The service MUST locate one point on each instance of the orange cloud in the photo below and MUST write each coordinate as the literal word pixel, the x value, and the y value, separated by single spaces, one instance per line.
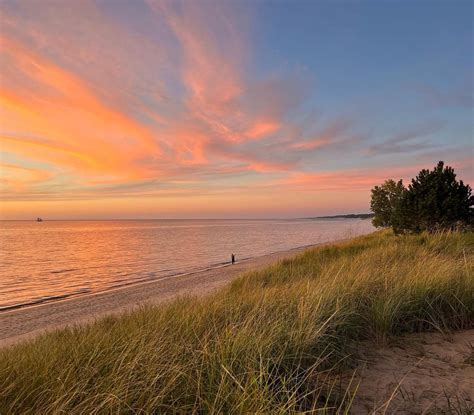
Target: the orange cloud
pixel 16 178
pixel 262 128
pixel 335 132
pixel 211 68
pixel 72 117
pixel 313 144
pixel 56 115
pixel 356 180
pixel 47 150
pixel 166 113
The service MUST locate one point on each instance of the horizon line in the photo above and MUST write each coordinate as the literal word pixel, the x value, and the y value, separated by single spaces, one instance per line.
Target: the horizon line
pixel 151 219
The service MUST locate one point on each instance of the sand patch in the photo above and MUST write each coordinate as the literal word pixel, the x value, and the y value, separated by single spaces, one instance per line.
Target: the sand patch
pixel 417 374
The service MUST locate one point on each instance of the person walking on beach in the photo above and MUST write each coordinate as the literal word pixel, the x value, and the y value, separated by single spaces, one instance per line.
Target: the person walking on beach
pixel 232 258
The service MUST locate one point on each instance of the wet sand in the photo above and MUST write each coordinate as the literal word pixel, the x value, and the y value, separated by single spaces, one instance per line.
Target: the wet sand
pixel 24 323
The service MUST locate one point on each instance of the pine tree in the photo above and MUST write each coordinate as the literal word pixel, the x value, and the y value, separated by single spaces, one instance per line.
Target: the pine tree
pixel 434 200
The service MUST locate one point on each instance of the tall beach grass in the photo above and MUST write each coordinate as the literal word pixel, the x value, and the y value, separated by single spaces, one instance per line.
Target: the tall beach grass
pixel 266 344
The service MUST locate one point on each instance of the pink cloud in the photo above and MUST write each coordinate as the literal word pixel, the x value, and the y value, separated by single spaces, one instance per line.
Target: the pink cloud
pixel 115 112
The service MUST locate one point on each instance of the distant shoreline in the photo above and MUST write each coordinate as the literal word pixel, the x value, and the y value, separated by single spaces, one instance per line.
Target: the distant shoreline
pixel 348 216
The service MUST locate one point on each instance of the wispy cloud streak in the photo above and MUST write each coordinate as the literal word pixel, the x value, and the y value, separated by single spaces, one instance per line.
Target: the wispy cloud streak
pixel 100 100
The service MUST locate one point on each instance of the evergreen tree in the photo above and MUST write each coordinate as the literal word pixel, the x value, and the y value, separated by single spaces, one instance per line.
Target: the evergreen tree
pixel 434 200
pixel 384 202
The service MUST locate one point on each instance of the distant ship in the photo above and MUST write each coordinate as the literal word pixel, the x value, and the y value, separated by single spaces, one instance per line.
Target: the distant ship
pixel 39 220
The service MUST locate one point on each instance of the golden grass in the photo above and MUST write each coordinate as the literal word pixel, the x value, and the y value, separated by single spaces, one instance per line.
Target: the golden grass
pixel 263 345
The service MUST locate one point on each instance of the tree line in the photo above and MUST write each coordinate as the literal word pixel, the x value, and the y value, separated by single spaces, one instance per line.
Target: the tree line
pixel 433 201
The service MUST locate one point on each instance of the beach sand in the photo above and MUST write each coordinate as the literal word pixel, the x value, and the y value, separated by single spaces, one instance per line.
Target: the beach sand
pixel 23 323
pixel 416 374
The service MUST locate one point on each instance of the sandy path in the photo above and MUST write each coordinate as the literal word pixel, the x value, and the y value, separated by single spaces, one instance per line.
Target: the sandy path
pixel 426 373
pixel 23 323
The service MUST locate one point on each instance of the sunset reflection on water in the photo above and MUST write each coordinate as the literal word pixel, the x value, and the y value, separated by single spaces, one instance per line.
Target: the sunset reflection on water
pixel 57 259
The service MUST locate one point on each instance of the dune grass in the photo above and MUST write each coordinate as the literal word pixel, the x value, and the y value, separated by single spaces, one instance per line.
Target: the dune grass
pixel 265 344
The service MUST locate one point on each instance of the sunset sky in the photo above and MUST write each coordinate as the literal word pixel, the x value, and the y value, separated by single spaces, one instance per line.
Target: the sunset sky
pixel 227 109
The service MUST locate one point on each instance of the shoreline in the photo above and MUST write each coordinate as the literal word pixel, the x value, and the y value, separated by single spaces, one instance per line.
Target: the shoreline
pixel 209 267
pixel 26 322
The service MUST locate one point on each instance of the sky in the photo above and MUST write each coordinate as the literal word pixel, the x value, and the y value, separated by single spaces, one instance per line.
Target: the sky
pixel 227 109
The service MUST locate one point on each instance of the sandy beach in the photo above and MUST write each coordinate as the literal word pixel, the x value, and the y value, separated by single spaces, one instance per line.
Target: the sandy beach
pixel 27 322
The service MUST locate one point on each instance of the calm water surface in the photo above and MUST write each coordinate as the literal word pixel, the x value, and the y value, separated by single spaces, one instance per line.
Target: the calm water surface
pixel 56 259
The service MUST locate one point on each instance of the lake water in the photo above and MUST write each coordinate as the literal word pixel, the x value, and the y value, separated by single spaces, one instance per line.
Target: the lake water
pixel 52 260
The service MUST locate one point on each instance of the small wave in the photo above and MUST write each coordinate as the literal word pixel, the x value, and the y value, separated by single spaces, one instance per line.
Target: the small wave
pixel 60 271
pixel 45 299
pixel 125 278
pixel 151 276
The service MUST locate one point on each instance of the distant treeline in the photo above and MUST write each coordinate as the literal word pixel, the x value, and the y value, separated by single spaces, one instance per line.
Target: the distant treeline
pixel 349 216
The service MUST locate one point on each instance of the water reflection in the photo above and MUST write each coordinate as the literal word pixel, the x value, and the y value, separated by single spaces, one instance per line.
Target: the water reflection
pixel 55 259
